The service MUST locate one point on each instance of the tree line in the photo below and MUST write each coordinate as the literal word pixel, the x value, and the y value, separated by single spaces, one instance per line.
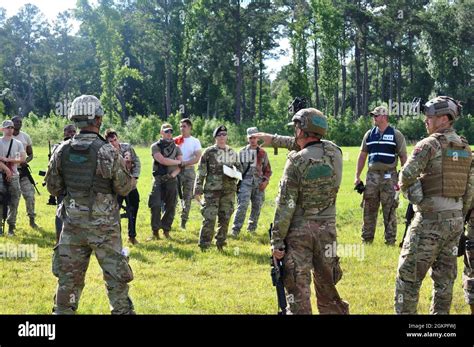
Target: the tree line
pixel 209 58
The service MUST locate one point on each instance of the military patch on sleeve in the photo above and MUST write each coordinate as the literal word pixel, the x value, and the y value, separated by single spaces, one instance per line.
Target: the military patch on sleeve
pixel 416 151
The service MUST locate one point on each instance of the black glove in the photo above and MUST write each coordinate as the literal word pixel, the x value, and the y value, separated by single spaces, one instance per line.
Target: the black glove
pixel 360 187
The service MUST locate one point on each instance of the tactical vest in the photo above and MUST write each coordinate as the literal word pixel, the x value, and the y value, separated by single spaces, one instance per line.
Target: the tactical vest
pixel 317 189
pixel 448 178
pixel 382 148
pixel 167 150
pixel 78 166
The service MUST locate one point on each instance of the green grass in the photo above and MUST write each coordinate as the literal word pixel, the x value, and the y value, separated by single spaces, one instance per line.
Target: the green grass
pixel 174 277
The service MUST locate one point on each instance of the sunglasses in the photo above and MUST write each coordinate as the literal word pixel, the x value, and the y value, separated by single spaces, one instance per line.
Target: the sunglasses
pixel 168 131
pixel 222 134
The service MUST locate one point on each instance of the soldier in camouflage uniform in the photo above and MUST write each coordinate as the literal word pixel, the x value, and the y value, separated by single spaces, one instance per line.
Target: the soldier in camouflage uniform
pixel 328 234
pixel 12 154
pixel 27 188
pixel 305 218
pixel 255 178
pixel 435 180
pixel 382 144
pixel 218 189
pixel 167 158
pixel 68 131
pixel 90 172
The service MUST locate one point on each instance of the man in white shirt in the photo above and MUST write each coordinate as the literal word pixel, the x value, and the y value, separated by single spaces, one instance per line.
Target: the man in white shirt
pixel 27 188
pixel 191 149
pixel 12 154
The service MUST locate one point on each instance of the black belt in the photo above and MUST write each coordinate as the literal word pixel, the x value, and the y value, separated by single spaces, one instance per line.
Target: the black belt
pixel 156 173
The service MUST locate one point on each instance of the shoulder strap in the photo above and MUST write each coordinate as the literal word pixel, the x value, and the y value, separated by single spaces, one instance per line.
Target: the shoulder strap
pixel 441 139
pixel 246 170
pixel 9 148
pixel 464 141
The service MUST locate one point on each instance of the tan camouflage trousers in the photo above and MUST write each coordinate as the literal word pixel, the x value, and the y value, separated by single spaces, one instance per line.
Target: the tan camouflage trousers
pixel 217 205
pixel 468 274
pixel 187 178
pixel 71 259
pixel 307 245
pixel 28 192
pixel 380 190
pixel 14 189
pixel 430 244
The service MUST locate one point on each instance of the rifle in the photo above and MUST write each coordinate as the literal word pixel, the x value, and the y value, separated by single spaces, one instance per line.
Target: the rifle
pixel 463 240
pixel 52 198
pixel 179 187
pixel 6 196
pixel 297 104
pixel 409 214
pixel 277 279
pixel 127 209
pixel 25 171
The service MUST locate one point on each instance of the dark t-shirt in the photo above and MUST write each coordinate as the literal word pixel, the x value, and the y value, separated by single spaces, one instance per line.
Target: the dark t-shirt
pixel 170 151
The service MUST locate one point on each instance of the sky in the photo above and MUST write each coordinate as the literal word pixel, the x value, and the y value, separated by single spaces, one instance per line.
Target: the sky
pixel 51 8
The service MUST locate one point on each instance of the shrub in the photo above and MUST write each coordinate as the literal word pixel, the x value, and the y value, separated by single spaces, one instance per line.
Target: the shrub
pixel 143 130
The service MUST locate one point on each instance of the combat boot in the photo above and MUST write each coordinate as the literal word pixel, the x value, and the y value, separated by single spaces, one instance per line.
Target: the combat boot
pixel 133 241
pixel 33 224
pixel 234 234
pixel 204 248
pixel 183 224
pixel 220 246
pixel 167 234
pixel 11 230
pixel 154 236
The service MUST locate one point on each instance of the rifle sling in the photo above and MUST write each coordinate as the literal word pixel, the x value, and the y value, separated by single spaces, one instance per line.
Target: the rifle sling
pixel 8 154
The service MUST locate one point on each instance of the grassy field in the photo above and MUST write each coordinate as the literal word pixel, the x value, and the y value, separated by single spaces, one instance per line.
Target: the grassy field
pixel 174 277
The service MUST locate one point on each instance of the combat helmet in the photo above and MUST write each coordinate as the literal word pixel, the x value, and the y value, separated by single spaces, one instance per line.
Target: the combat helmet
pixel 84 109
pixel 442 105
pixel 310 120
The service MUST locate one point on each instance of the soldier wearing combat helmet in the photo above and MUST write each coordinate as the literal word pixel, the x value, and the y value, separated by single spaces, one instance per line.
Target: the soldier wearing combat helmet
pixel 305 217
pixel 435 180
pixel 90 173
